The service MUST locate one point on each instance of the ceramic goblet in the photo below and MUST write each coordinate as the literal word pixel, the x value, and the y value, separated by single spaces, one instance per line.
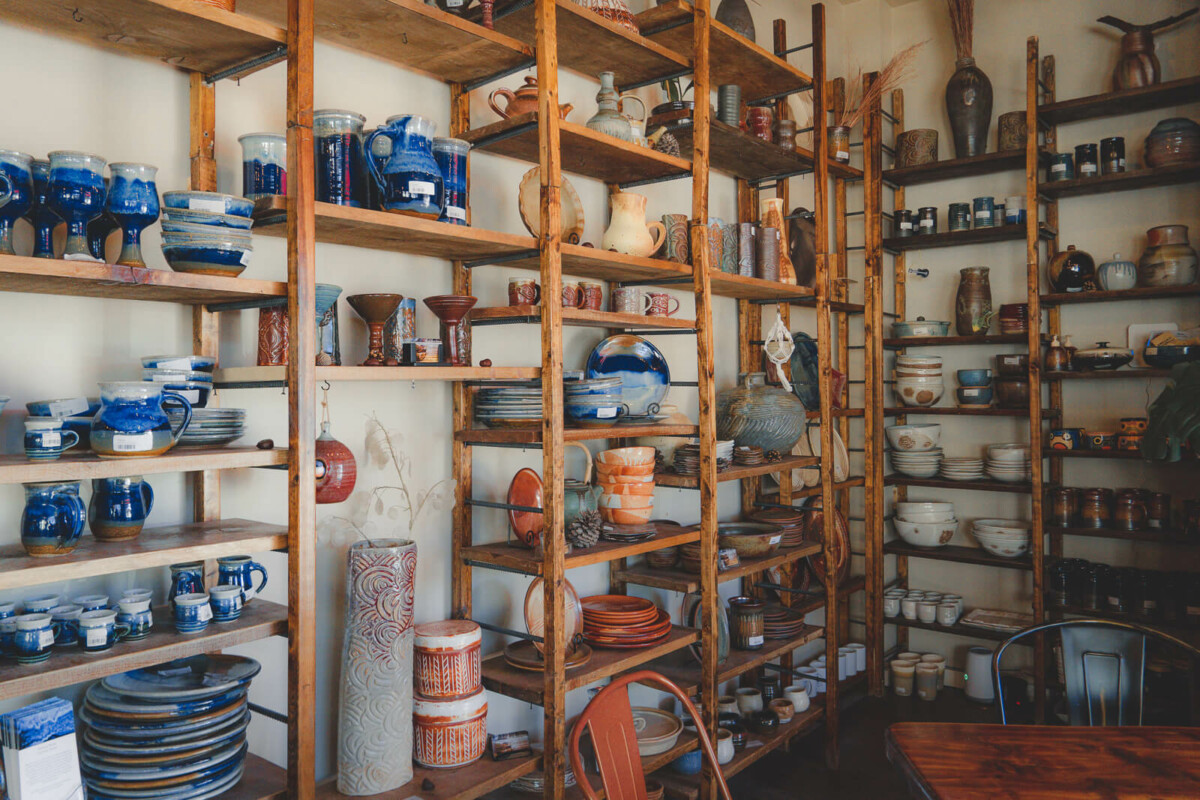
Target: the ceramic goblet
pixel 41 216
pixel 132 202
pixel 375 310
pixel 99 229
pixel 452 309
pixel 17 170
pixel 76 193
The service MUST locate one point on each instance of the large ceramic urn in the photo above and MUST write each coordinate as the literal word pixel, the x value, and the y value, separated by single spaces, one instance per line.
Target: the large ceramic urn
pixel 757 415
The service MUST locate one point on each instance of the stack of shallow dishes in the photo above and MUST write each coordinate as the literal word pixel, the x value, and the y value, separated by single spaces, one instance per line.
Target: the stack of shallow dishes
pixel 509 406
pixel 1008 462
pixel 621 622
pixel 781 623
pixel 594 402
pixel 925 524
pixel 1008 538
pixel 534 783
pixel 206 232
pixel 190 376
pixel 687 457
pixel 210 427
pixel 689 557
pixel 791 524
pixel 749 456
pixel 961 468
pixel 171 732
pixel 626 480
pixel 922 464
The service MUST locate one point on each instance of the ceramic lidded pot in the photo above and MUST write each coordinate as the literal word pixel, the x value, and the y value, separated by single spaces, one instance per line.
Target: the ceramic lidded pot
pixel 1072 271
pixel 446 658
pixel 1168 259
pixel 449 733
pixel 1117 275
pixel 337 470
pixel 410 181
pixel 131 421
pixel 757 415
pixel 1173 141
pixel 53 519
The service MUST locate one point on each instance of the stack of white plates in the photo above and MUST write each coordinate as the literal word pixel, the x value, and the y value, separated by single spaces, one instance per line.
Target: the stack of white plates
pixel 210 427
pixel 1008 462
pixel 960 468
pixel 923 464
pixel 1002 537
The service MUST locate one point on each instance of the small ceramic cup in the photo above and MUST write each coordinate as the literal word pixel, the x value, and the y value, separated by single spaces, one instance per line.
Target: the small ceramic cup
pixel 660 304
pixel 593 295
pixel 1014 210
pixel 192 612
pixel 908 607
pixel 938 661
pixel 860 655
pixel 749 701
pixel 45 439
pixel 67 617
pixel 1101 440
pixel 725 748
pixel 984 211
pixel 926 680
pixel 847 664
pixel 226 603
pixel 891 606
pixel 783 709
pixel 903 673
pixel 99 630
pixel 34 636
pixel 927 611
pixel 797 695
pixel 947 613
pixel 523 292
pixel 572 295
pixel 137 593
pixel 42 603
pixel 1066 438
pixel 91 602
pixel 629 300
pixel 727 704
pixel 135 612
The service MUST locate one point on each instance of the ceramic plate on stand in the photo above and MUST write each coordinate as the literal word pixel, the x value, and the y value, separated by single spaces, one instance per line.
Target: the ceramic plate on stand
pixel 526 490
pixel 642 368
pixel 529 203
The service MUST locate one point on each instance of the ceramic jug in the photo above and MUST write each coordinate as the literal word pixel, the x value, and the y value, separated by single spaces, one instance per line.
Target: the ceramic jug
pixel 637 125
pixel 131 421
pixel 628 232
pixel 522 101
pixel 410 181
pixel 609 119
pixel 119 507
pixel 53 518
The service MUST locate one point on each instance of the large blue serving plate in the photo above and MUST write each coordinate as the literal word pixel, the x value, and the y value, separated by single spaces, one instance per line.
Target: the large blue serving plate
pixel 185 678
pixel 642 368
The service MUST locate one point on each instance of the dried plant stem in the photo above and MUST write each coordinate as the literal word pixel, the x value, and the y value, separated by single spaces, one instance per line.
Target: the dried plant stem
pixel 894 73
pixel 962 25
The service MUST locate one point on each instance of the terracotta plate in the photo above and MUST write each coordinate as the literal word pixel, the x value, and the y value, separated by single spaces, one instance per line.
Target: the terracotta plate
pixel 523 655
pixel 534 613
pixel 616 604
pixel 526 490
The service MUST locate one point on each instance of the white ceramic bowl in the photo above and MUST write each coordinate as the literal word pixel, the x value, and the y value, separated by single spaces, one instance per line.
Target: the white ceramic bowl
pixel 913 438
pixel 1015 452
pixel 905 506
pixel 926 534
pixel 1015 527
pixel 926 516
pixel 918 395
pixel 1005 549
pixel 918 472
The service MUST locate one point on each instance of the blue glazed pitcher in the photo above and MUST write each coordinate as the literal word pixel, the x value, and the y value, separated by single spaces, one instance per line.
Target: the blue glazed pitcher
pixel 53 518
pixel 410 181
pixel 131 421
pixel 119 507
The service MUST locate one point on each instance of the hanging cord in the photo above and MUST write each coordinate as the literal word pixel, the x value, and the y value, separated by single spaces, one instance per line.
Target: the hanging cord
pixel 779 346
pixel 325 407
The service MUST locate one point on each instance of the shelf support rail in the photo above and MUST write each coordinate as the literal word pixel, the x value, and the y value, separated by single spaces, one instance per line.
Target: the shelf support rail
pixel 248 66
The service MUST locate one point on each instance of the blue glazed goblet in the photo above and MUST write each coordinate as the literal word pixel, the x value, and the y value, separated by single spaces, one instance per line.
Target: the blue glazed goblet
pixel 99 229
pixel 41 216
pixel 76 193
pixel 17 169
pixel 133 202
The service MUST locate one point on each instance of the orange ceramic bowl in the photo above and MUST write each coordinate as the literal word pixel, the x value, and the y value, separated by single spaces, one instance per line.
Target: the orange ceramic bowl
pixel 641 469
pixel 626 488
pixel 626 456
pixel 626 479
pixel 626 516
pixel 628 501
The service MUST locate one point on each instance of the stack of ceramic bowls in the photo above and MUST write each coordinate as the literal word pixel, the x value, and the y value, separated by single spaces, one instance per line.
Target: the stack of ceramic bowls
pixel 1014 318
pixel 1008 462
pixel 206 232
pixel 922 464
pixel 791 524
pixel 509 406
pixel 626 480
pixel 1008 538
pixel 919 380
pixel 174 730
pixel 962 468
pixel 914 438
pixel 974 388
pixel 593 403
pixel 210 427
pixel 190 376
pixel 925 524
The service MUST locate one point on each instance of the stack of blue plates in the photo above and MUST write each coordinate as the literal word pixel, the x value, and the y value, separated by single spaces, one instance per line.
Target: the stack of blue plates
pixel 176 731
pixel 207 232
pixel 509 406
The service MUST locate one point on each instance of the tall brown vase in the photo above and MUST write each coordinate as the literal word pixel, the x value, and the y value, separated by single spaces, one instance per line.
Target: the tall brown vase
pixel 973 304
pixel 969 105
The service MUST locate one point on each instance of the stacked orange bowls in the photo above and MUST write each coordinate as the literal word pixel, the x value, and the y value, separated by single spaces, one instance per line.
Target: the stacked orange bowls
pixel 626 480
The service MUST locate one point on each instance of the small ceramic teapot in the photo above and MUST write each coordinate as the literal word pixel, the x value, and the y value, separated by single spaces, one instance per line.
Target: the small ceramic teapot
pixel 522 101
pixel 579 495
pixel 628 232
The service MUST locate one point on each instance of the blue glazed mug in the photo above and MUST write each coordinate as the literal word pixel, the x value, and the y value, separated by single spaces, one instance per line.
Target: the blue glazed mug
pixel 35 635
pixel 186 579
pixel 131 421
pixel 8 626
pixel 410 181
pixel 135 613
pixel 119 507
pixel 99 630
pixel 67 617
pixel 42 603
pixel 45 439
pixel 689 763
pixel 92 602
pixel 239 571
pixel 53 519
pixel 192 613
pixel 16 173
pixel 1066 439
pixel 226 603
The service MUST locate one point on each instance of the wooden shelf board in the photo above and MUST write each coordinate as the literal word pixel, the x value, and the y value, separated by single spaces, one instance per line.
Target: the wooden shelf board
pixel 940 483
pixel 957 629
pixel 1128 101
pixel 85 466
pixel 735 472
pixel 838 486
pixel 741 155
pixel 1121 181
pixel 185 34
pixel 460 783
pixel 682 668
pixel 259 620
pixel 527 561
pixel 155 547
pixel 1004 233
pixel 1122 455
pixel 986 164
pixel 958 553
pixel 963 411
pixel 955 341
pixel 110 281
pixel 678 580
pixel 238 375
pixel 726 284
pixel 606 265
pixel 1107 375
pixel 733 58
pixel 1126 295
pixel 596 44
pixel 578 317
pixel 408 33
pixel 1162 535
pixel 261 780
pixel 837 412
pixel 400 233
pixel 834 305
pixel 584 151
pixel 534 435
pixel 855 583
pixel 528 685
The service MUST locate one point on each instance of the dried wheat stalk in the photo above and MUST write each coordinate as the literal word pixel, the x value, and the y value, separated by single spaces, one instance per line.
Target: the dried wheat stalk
pixel 894 73
pixel 962 25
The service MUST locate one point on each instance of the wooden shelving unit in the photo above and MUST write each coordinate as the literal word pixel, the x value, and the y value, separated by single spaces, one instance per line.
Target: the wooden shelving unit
pixel 958 553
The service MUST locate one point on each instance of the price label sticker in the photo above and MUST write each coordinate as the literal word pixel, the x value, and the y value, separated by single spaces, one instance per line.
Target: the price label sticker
pixel 755 640
pixel 843 154
pixel 68 408
pixel 204 614
pixel 51 439
pixel 606 413
pixel 205 204
pixel 776 539
pixel 906 226
pixel 1087 169
pixel 983 214
pixel 245 259
pixel 456 212
pixel 133 442
pixel 96 637
pixel 421 187
pixel 926 223
pixel 45 638
pixel 1058 167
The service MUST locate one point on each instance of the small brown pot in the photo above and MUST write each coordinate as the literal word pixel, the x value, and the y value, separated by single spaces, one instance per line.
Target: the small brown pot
pixel 838 144
pixel 1012 393
pixel 916 147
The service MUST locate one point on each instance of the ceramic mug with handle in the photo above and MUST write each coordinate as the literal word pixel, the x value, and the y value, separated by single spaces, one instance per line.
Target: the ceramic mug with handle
pixel 660 304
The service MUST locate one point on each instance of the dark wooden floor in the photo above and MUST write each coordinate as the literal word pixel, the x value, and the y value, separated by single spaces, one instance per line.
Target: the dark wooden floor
pixel 865 773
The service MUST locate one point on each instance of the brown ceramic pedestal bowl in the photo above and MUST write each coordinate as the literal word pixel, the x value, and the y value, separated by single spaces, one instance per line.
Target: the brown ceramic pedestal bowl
pixel 451 309
pixel 375 310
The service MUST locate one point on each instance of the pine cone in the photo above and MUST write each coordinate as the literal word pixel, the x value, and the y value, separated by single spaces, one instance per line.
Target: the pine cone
pixel 584 530
pixel 668 144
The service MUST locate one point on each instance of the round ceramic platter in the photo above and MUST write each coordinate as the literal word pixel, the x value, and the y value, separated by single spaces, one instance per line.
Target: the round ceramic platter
pixel 185 678
pixel 175 742
pixel 209 440
pixel 202 790
pixel 616 604
pixel 526 490
pixel 534 611
pixel 102 768
pixel 106 701
pixel 529 200
pixel 642 368
pixel 151 730
pixel 523 655
pixel 111 761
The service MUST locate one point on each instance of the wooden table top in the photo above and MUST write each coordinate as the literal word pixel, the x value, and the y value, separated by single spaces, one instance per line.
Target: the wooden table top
pixel 949 761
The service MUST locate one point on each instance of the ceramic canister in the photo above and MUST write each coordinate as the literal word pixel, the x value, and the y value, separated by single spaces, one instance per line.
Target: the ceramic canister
pixel 960 216
pixel 985 208
pixel 1087 161
pixel 1062 168
pixel 446 658
pixel 449 733
pixel 1112 155
pixel 927 220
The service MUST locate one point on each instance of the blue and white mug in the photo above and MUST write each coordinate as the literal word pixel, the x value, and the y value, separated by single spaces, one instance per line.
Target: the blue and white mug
pixel 45 439
pixel 42 603
pixel 92 602
pixel 226 602
pixel 239 571
pixel 192 612
pixel 135 612
pixel 67 617
pixel 35 635
pixel 99 630
pixel 186 579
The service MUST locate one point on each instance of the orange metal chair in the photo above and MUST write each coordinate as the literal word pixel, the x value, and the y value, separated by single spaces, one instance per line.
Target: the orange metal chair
pixel 609 720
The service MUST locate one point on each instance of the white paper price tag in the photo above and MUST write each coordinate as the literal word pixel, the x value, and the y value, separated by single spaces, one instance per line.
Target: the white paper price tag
pixel 605 413
pixel 983 214
pixel 456 212
pixel 926 223
pixel 96 637
pixel 133 442
pixel 191 395
pixel 45 638
pixel 421 187
pixel 51 439
pixel 754 640
pixel 68 408
pixel 906 226
pixel 205 204
pixel 843 155
pixel 1058 167
pixel 776 539
pixel 1087 169
pixel 204 614
pixel 245 259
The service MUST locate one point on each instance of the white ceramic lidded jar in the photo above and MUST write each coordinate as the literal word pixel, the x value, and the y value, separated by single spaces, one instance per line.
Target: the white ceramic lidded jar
pixel 1117 275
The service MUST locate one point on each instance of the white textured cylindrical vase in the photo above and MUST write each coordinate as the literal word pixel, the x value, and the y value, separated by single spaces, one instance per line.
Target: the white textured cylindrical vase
pixel 375 729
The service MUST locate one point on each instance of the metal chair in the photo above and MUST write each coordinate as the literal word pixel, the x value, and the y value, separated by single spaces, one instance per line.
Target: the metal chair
pixel 1105 665
pixel 609 720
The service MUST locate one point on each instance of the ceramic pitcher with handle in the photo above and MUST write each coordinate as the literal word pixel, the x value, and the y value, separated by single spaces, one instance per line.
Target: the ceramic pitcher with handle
pixel 627 231
pixel 410 181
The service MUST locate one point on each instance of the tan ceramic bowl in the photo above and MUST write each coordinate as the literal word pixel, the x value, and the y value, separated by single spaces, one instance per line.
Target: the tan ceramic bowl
pixel 626 501
pixel 626 457
pixel 640 469
pixel 626 488
pixel 627 479
pixel 627 516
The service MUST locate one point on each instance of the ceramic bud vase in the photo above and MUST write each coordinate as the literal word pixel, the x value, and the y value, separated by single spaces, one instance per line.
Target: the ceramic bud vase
pixel 969 105
pixel 375 729
pixel 973 304
pixel 609 119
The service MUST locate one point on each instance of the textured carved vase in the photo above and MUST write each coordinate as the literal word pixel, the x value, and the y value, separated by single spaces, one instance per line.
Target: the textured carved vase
pixel 969 105
pixel 973 303
pixel 375 732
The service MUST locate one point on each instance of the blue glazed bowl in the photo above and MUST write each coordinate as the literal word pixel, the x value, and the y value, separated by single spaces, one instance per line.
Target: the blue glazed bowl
pixel 208 260
pixel 974 377
pixel 62 407
pixel 222 239
pixel 199 363
pixel 213 202
pixel 175 375
pixel 974 395
pixel 1168 356
pixel 206 218
pixel 689 763
pixel 200 229
pixel 596 414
